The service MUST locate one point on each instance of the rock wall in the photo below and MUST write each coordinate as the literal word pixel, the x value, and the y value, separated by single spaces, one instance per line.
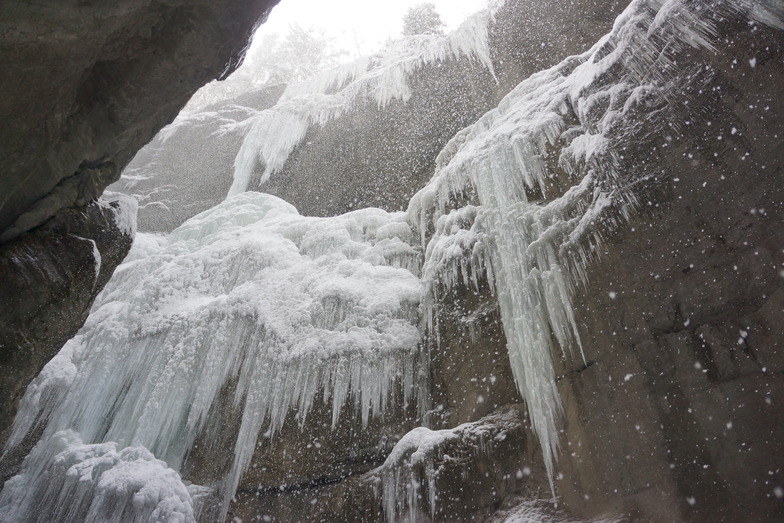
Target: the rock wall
pixel 87 85
pixel 673 415
pixel 677 415
pixel 389 153
pixel 50 279
pixel 188 168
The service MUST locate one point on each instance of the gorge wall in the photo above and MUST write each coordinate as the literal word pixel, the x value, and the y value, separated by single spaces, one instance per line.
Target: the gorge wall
pixel 388 150
pixel 672 411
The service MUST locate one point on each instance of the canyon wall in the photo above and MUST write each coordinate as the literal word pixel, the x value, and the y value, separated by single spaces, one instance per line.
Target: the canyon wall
pixel 387 152
pixel 672 385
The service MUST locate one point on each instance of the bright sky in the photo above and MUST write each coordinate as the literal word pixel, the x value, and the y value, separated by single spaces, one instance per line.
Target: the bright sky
pixel 361 25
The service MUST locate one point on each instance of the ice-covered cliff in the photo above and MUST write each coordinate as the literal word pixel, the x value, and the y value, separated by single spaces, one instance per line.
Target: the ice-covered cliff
pixel 583 302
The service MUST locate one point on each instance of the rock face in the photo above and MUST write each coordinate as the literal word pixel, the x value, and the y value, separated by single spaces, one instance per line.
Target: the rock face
pixel 674 412
pixel 387 152
pixel 188 168
pixel 89 84
pixel 85 86
pixel 677 415
pixel 50 279
pixel 405 138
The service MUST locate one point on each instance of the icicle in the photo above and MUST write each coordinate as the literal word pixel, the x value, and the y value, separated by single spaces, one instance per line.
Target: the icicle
pixel 541 227
pixel 271 135
pixel 409 475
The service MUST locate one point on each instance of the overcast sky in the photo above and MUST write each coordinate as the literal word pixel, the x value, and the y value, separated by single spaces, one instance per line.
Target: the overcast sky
pixel 363 24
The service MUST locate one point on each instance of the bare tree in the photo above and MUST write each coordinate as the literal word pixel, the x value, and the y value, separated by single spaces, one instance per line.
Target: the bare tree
pixel 422 19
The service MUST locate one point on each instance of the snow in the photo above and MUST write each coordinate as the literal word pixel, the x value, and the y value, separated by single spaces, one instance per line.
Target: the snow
pixel 456 253
pixel 540 511
pixel 95 483
pixel 409 473
pixel 123 208
pixel 284 307
pixel 402 489
pixel 96 255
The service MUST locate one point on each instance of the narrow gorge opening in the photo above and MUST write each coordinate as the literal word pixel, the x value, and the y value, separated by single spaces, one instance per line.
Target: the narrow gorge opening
pixel 529 269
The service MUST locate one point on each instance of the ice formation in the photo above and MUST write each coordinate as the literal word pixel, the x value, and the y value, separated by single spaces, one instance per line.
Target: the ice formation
pixel 410 473
pixel 271 135
pixel 527 193
pixel 249 297
pixel 98 482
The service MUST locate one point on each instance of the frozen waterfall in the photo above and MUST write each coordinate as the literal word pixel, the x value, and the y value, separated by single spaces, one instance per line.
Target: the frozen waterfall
pixel 247 299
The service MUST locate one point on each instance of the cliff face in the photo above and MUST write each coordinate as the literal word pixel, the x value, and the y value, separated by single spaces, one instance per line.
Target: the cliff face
pixel 50 279
pixel 671 413
pixel 86 84
pixel 387 150
pixel 676 415
pixel 446 96
pixel 188 168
